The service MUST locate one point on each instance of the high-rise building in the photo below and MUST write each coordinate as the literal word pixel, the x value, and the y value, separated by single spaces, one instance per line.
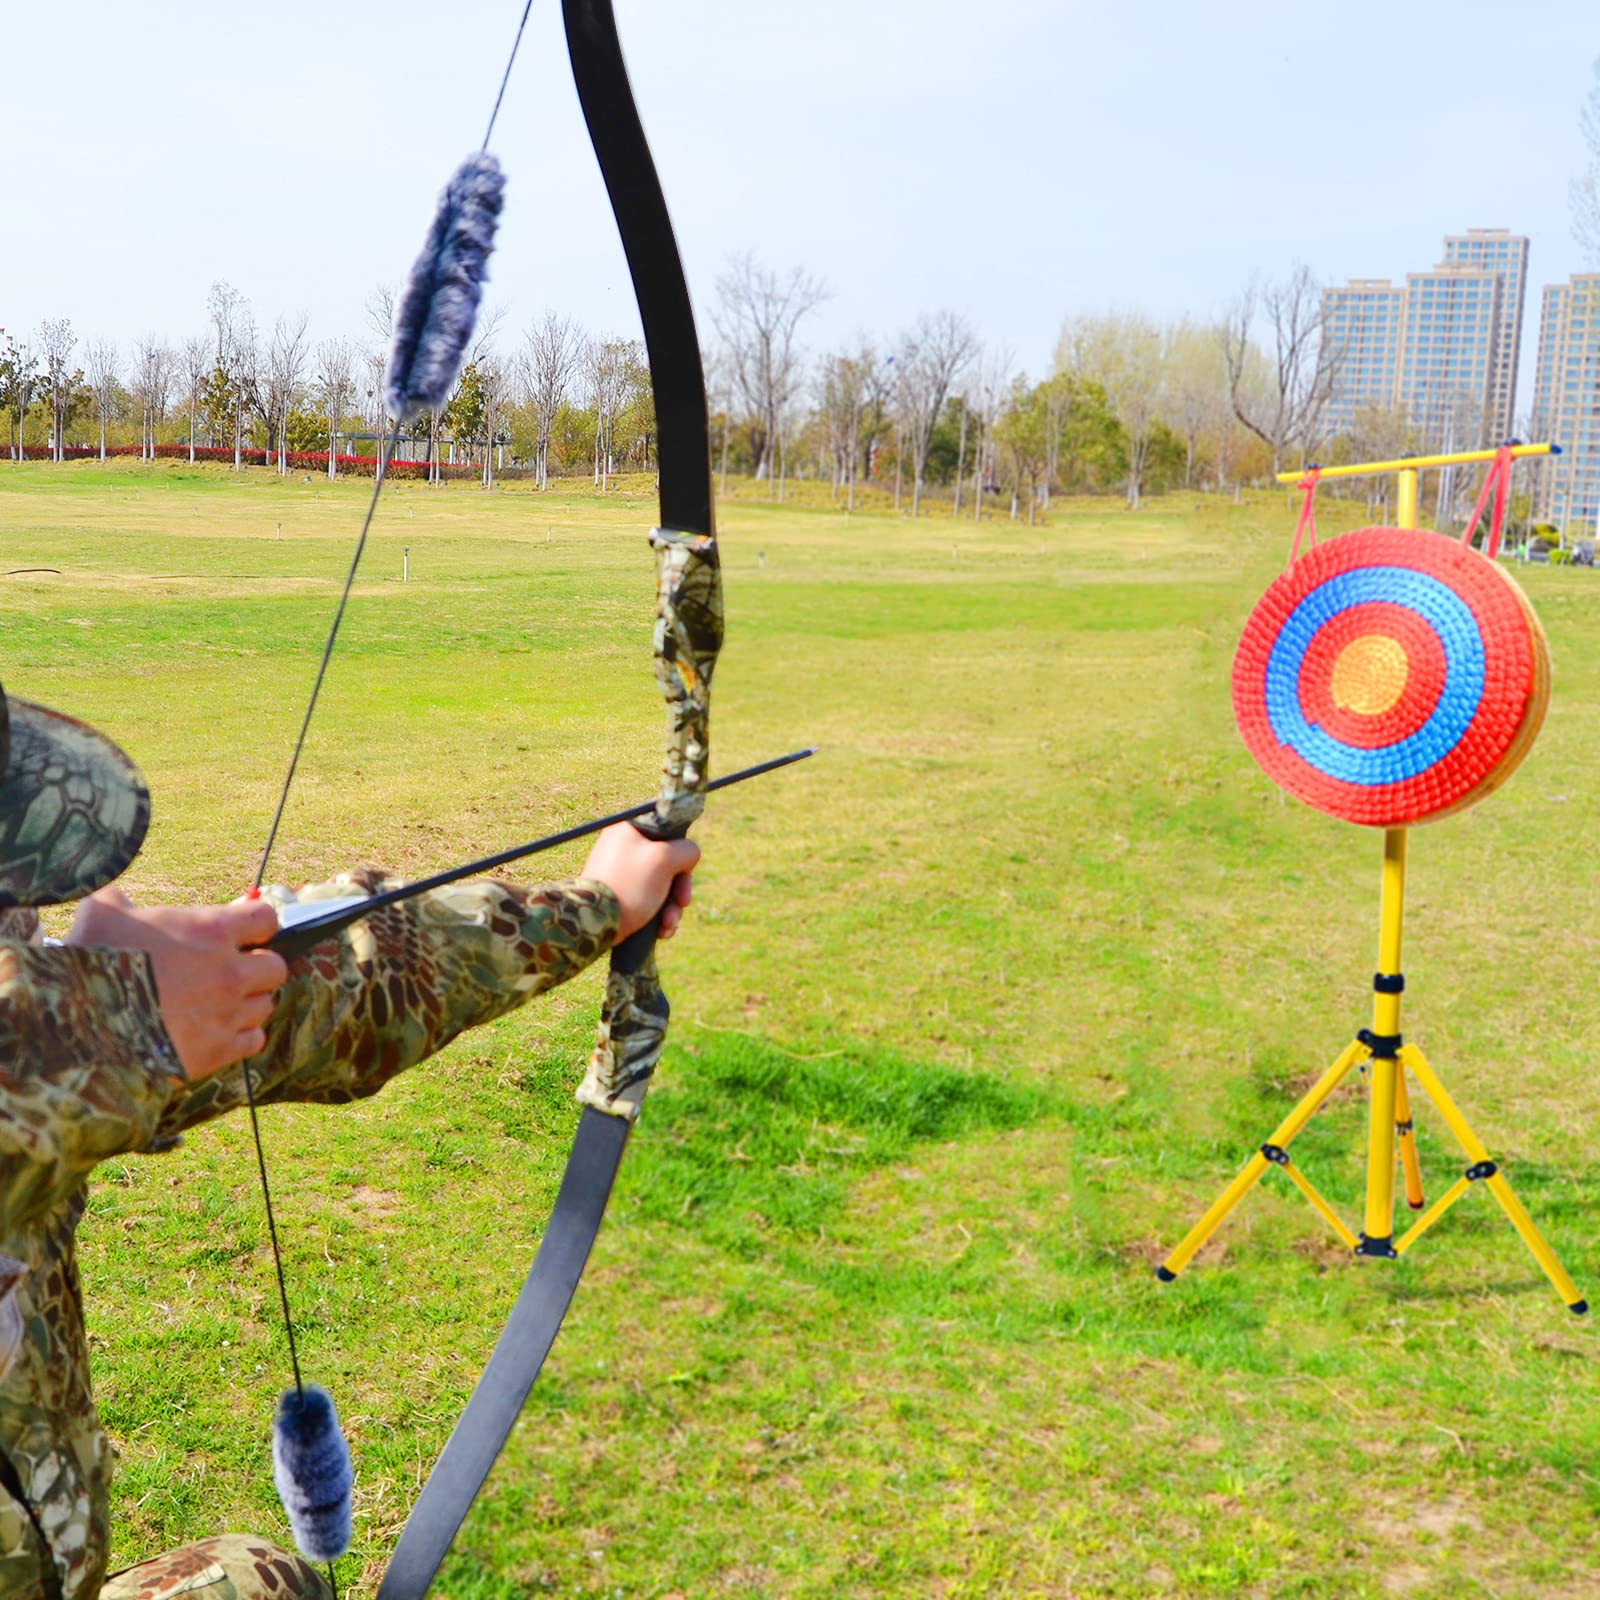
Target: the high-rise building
pixel 1443 348
pixel 1362 322
pixel 1552 337
pixel 1445 384
pixel 1566 405
pixel 1500 251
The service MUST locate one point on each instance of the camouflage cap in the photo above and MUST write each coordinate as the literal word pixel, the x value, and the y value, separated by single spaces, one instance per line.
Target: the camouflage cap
pixel 73 807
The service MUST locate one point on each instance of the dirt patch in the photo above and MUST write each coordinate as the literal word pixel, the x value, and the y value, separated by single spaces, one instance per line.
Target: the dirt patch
pixel 370 1202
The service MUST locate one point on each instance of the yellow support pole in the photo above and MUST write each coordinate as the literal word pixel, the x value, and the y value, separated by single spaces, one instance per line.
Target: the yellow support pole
pixel 1378 1233
pixel 1405 500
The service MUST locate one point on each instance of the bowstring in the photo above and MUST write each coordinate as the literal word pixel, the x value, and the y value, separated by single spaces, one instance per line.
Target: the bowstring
pixel 506 77
pixel 384 459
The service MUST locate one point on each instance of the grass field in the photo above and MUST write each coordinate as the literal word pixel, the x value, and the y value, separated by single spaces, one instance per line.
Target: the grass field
pixel 974 1014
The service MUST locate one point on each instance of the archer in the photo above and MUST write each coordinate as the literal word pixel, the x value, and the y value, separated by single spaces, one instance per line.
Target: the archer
pixel 143 1023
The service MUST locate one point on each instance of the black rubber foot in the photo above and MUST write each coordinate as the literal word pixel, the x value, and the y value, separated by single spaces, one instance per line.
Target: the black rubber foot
pixel 1416 1205
pixel 1383 1249
pixel 1579 1309
pixel 1172 1277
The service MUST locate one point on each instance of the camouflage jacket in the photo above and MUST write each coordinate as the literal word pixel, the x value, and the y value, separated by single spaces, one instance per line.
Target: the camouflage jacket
pixel 87 1071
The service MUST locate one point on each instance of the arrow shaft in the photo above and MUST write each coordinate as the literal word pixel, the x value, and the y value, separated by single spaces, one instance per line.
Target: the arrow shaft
pixel 303 935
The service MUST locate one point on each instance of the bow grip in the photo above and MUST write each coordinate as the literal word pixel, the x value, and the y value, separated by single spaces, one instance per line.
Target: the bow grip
pixel 633 1019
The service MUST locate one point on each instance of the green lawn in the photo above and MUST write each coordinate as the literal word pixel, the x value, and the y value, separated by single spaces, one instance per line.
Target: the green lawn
pixel 974 1014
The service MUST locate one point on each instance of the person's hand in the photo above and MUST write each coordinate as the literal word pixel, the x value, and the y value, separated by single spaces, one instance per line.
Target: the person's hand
pixel 646 876
pixel 215 992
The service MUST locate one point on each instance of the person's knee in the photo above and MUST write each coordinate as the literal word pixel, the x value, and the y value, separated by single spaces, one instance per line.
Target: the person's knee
pixel 232 1566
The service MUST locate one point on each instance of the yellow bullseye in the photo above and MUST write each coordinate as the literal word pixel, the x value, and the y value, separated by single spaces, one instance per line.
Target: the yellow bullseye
pixel 1369 675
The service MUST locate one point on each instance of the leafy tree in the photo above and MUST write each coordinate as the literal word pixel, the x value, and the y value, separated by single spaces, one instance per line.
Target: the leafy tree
pixel 1023 433
pixel 305 430
pixel 464 415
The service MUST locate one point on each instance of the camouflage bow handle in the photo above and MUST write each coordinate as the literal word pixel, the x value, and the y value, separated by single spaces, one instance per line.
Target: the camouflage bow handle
pixel 688 635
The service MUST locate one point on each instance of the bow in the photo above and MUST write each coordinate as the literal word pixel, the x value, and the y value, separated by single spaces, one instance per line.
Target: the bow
pixel 688 636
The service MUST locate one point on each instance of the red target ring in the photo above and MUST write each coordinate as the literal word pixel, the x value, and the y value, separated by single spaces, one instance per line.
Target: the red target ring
pixel 1390 677
pixel 1372 675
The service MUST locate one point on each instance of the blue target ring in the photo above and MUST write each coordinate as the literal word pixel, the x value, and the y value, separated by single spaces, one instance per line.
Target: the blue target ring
pixel 1390 676
pixel 1457 631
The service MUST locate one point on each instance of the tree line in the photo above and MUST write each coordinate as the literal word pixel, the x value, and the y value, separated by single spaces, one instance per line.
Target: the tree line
pixel 1129 404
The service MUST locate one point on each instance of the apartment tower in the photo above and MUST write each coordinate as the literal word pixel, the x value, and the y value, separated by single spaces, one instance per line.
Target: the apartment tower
pixel 1505 254
pixel 1566 406
pixel 1442 348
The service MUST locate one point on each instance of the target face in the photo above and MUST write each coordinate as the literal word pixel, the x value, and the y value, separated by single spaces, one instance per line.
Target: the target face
pixel 1391 676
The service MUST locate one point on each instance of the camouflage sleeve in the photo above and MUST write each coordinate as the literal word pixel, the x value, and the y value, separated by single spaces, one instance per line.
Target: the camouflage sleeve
pixel 390 991
pixel 86 1069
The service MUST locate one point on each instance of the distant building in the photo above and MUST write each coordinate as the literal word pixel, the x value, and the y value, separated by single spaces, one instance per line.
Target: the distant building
pixel 1445 384
pixel 1363 322
pixel 1566 405
pixel 1506 254
pixel 1442 348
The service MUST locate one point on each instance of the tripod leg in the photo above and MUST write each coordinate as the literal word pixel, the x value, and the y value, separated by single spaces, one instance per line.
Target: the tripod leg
pixel 1408 1142
pixel 1498 1187
pixel 1258 1163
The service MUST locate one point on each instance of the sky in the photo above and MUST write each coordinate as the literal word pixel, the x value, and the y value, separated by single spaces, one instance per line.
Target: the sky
pixel 1019 161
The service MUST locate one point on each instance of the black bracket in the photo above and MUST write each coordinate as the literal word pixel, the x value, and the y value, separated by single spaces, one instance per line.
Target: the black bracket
pixel 1480 1169
pixel 1389 982
pixel 1276 1154
pixel 1382 1248
pixel 1384 1046
pixel 1403 1128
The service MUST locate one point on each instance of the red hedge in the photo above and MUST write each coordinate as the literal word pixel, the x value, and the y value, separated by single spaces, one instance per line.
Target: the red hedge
pixel 298 460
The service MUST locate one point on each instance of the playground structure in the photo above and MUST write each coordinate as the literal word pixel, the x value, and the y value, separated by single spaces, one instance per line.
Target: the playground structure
pixel 1389 677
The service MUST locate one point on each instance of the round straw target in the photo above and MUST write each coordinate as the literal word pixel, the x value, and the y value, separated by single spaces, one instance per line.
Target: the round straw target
pixel 1390 677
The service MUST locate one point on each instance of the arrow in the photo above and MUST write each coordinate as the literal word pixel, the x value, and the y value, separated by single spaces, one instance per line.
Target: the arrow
pixel 323 919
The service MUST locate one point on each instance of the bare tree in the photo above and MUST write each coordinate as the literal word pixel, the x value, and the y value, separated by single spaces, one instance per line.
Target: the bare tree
pixel 494 384
pixel 986 395
pixel 877 403
pixel 237 354
pixel 842 382
pixel 196 367
pixel 1302 366
pixel 1377 433
pixel 336 366
pixel 606 380
pixel 18 377
pixel 931 355
pixel 1124 355
pixel 102 369
pixel 1585 192
pixel 152 385
pixel 758 318
pixel 1198 390
pixel 278 382
pixel 719 398
pixel 56 344
pixel 553 349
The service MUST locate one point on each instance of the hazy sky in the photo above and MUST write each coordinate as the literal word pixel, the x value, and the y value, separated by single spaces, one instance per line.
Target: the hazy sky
pixel 1018 160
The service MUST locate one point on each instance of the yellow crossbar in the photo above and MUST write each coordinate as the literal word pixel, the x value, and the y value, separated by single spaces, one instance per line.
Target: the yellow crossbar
pixel 1361 469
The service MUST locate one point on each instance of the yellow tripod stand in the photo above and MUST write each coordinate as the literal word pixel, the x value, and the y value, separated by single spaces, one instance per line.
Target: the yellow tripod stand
pixel 1387 1060
pixel 1384 1055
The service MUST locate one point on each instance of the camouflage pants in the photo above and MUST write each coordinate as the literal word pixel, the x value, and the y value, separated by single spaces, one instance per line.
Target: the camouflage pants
pixel 235 1566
